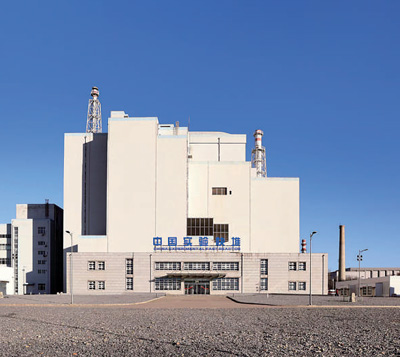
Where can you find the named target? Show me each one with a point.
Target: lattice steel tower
(258, 160)
(94, 113)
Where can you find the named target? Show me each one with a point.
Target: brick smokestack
(342, 255)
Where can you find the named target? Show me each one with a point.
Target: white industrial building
(31, 251)
(153, 207)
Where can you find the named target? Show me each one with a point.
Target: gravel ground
(87, 331)
(295, 300)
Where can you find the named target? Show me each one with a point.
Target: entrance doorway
(197, 287)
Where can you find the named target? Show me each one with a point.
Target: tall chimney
(342, 259)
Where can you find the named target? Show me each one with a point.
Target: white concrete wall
(131, 190)
(217, 146)
(85, 173)
(275, 215)
(7, 280)
(26, 254)
(171, 188)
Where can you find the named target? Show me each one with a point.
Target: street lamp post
(359, 259)
(70, 268)
(311, 235)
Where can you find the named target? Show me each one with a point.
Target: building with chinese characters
(157, 208)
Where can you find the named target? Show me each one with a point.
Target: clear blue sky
(320, 78)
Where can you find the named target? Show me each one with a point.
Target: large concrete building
(154, 207)
(31, 251)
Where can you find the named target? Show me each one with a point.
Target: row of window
(42, 262)
(293, 285)
(219, 191)
(42, 252)
(6, 261)
(175, 284)
(42, 271)
(99, 285)
(101, 265)
(197, 266)
(5, 246)
(206, 227)
(41, 242)
(5, 235)
(42, 230)
(297, 266)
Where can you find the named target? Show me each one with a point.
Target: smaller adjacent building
(372, 281)
(6, 270)
(31, 250)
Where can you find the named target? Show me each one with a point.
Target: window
(5, 246)
(226, 284)
(264, 284)
(91, 265)
(292, 285)
(41, 242)
(225, 266)
(41, 287)
(42, 271)
(302, 285)
(221, 231)
(168, 266)
(5, 261)
(264, 266)
(129, 283)
(302, 266)
(101, 285)
(42, 230)
(42, 252)
(168, 284)
(101, 265)
(129, 266)
(196, 266)
(15, 232)
(200, 227)
(292, 266)
(41, 262)
(91, 285)
(219, 191)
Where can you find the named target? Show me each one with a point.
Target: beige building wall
(275, 215)
(171, 188)
(85, 174)
(131, 190)
(217, 146)
(249, 275)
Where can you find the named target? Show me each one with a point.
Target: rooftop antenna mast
(258, 160)
(93, 124)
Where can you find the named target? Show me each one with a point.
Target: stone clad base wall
(248, 275)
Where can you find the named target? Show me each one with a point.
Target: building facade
(34, 251)
(156, 197)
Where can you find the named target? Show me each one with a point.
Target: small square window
(101, 285)
(129, 283)
(91, 265)
(91, 285)
(302, 285)
(264, 284)
(292, 285)
(292, 266)
(302, 266)
(42, 230)
(101, 265)
(41, 287)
